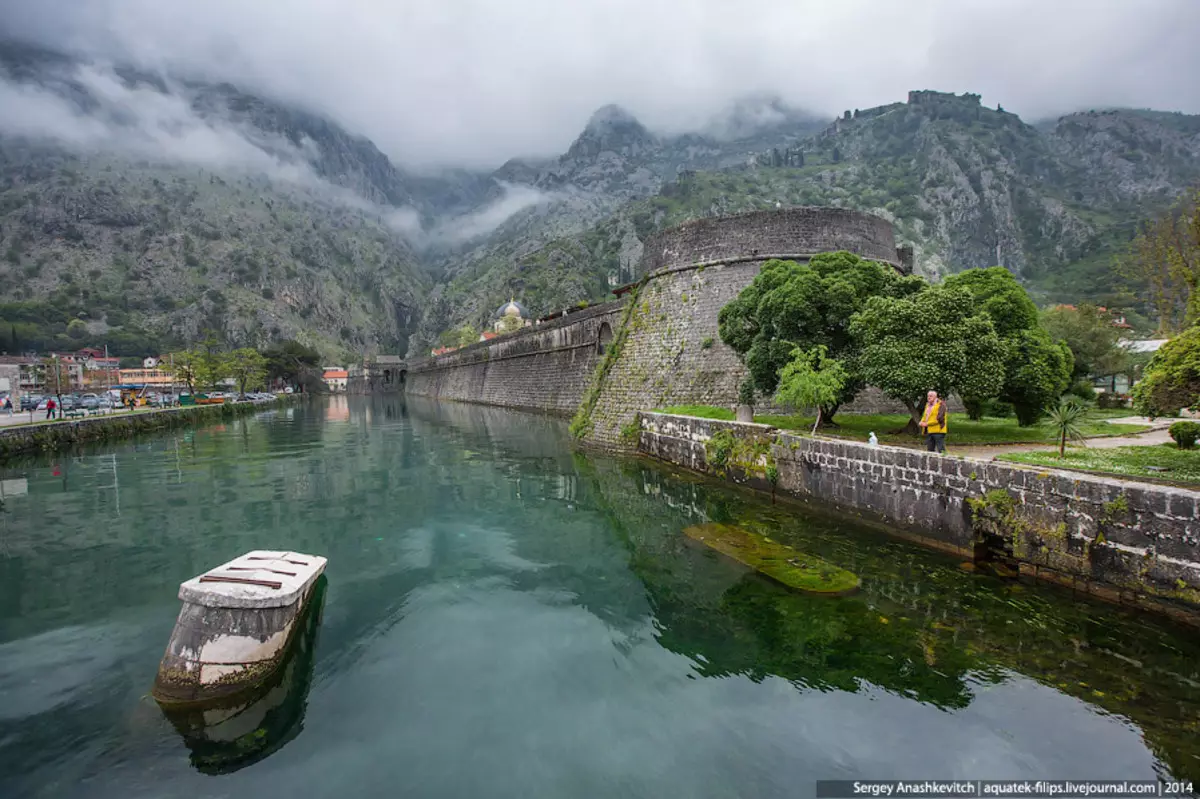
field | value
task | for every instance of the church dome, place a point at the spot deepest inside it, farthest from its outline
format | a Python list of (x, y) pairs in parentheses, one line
[(512, 308)]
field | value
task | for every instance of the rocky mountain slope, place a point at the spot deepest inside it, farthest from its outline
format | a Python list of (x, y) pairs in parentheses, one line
[(967, 185), (154, 208)]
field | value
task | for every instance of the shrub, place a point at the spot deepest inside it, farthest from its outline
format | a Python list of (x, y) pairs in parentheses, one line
[(1083, 389), (1185, 434)]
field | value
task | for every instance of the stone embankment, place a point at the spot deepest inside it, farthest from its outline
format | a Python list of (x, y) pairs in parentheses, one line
[(1132, 543), (54, 436)]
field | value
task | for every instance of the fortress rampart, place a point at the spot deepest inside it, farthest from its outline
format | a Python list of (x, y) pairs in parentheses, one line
[(671, 353)]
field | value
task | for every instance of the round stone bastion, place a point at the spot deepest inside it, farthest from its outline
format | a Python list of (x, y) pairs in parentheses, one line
[(761, 235)]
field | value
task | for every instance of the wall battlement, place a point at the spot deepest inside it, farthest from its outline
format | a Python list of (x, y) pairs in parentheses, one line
[(790, 232)]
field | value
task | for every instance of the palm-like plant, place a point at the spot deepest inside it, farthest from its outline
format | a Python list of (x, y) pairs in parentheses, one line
[(1066, 419)]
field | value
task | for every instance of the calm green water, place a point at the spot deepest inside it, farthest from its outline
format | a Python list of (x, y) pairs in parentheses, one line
[(504, 618)]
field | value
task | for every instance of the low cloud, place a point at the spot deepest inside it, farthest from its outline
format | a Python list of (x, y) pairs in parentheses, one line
[(516, 198), (103, 112), (475, 82)]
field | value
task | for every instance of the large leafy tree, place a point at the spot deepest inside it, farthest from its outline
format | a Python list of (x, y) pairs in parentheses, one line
[(1172, 378), (1036, 373), (183, 366), (1090, 334), (1000, 296), (1037, 369), (211, 362), (248, 367), (791, 305), (290, 361), (936, 339)]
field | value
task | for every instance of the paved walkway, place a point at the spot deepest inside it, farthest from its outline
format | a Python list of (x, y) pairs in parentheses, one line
[(1157, 434), (24, 417)]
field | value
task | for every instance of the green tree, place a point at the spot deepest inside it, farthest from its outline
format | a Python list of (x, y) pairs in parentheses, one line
[(1037, 369), (811, 380), (248, 367), (290, 361), (212, 364), (77, 329), (460, 336), (1164, 260), (183, 366), (932, 340), (1000, 296), (790, 305), (1090, 334), (1172, 378)]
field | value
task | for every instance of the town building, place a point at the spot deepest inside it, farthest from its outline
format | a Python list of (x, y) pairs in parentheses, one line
[(511, 316), (147, 377), (336, 378)]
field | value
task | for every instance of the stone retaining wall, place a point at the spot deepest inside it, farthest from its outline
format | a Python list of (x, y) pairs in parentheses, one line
[(1128, 542), (53, 436)]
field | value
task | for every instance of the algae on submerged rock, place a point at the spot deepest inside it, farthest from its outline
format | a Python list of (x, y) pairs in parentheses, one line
[(779, 562)]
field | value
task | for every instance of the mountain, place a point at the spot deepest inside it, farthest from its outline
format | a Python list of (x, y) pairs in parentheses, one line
[(154, 210), (967, 185), (142, 210)]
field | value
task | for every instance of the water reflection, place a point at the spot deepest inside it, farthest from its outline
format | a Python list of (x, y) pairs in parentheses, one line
[(241, 730), (507, 617)]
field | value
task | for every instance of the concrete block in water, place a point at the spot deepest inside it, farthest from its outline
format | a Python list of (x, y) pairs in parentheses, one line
[(235, 626)]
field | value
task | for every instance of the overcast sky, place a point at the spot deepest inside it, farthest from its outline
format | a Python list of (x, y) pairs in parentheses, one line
[(475, 82)]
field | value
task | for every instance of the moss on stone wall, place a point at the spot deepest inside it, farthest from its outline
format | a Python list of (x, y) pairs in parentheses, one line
[(581, 424)]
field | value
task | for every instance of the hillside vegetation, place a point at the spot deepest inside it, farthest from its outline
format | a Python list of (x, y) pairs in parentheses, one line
[(314, 234)]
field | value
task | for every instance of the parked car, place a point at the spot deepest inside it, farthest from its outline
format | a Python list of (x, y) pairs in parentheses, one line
[(31, 401), (105, 403), (89, 402)]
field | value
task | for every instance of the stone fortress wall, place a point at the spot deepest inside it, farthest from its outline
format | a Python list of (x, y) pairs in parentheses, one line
[(544, 368), (671, 352)]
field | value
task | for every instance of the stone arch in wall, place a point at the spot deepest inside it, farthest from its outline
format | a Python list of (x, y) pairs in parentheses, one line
[(604, 338), (403, 377)]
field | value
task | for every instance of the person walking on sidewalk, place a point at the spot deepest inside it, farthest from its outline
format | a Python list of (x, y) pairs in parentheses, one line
[(933, 423), (50, 406), (8, 405)]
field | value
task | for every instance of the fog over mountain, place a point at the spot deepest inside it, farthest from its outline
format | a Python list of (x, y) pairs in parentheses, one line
[(473, 83)]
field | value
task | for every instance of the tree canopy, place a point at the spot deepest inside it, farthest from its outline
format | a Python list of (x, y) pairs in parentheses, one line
[(811, 380), (248, 367), (936, 339), (791, 305), (1000, 296), (1172, 378), (1037, 369), (1090, 334), (289, 360)]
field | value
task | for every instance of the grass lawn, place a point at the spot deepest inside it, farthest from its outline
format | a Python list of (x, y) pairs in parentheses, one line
[(1183, 465), (962, 430)]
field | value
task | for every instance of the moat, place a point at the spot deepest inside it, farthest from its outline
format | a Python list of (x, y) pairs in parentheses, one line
[(504, 616)]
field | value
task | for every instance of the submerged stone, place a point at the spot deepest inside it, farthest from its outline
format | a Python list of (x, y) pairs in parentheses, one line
[(780, 562)]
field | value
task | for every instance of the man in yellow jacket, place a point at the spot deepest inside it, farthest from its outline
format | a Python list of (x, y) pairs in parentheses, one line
[(933, 423)]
